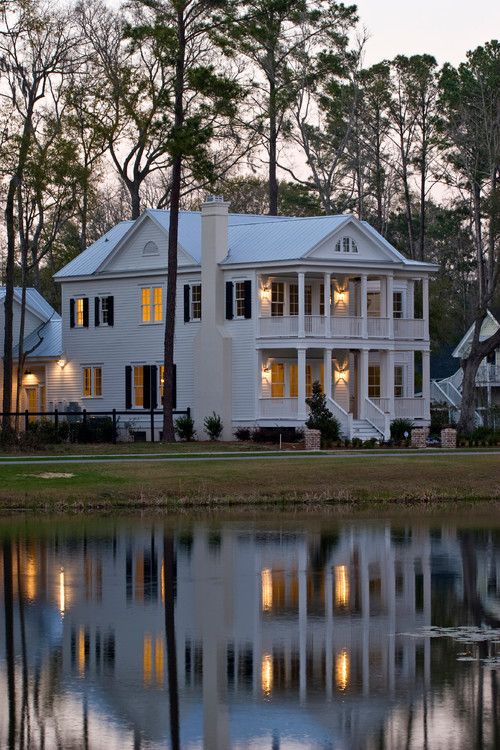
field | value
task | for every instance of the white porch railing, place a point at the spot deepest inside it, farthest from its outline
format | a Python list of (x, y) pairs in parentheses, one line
[(488, 373), (278, 408), (345, 327), (279, 325), (409, 328), (378, 328), (344, 417), (409, 408), (382, 403), (314, 325), (379, 419)]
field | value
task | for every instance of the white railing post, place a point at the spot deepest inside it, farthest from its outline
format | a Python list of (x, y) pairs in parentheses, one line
[(301, 383), (327, 283), (327, 372), (364, 305), (363, 395), (302, 300), (425, 306), (389, 304), (426, 383), (389, 381)]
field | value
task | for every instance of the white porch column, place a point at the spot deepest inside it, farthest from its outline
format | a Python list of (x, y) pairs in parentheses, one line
[(301, 383), (389, 303), (327, 282), (410, 302), (327, 371), (425, 306), (426, 384), (364, 305), (302, 296), (389, 381), (363, 381)]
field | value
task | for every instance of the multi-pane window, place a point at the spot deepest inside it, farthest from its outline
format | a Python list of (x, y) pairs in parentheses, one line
[(346, 245), (92, 382), (196, 302), (138, 385), (294, 299), (239, 299), (398, 382), (373, 304), (79, 314), (322, 298), (104, 311), (397, 304), (374, 381), (294, 381), (152, 304), (277, 380), (277, 298)]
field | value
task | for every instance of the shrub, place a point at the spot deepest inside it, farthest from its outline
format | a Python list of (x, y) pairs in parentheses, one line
[(272, 434), (213, 426), (184, 427), (398, 429), (320, 417), (243, 433)]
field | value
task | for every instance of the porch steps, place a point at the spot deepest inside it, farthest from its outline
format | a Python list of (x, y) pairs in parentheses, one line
[(363, 430)]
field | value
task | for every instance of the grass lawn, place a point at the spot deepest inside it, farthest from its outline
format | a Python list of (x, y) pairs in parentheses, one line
[(283, 483)]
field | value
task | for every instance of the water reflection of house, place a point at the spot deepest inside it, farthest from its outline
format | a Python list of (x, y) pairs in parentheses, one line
[(266, 625)]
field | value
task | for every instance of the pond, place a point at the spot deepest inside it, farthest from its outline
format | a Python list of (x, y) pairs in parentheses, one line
[(270, 633)]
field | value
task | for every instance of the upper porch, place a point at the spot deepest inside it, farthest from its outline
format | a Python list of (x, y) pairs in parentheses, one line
[(358, 306)]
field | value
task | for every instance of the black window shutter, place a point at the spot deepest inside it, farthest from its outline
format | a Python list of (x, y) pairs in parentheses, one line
[(85, 312), (248, 298), (96, 310), (128, 387), (147, 386), (174, 387), (111, 311), (186, 303), (154, 386), (229, 300), (72, 313)]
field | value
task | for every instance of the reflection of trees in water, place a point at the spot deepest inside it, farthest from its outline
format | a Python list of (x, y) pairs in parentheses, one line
[(173, 684), (8, 590)]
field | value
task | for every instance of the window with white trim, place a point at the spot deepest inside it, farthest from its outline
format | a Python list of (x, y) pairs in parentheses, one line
[(346, 245), (92, 381), (398, 382), (196, 302), (374, 381), (79, 312), (397, 304), (104, 304), (294, 299), (277, 298), (239, 299), (151, 304)]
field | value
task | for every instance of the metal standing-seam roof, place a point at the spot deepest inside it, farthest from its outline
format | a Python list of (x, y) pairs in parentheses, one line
[(45, 341), (489, 327), (251, 238), (34, 302)]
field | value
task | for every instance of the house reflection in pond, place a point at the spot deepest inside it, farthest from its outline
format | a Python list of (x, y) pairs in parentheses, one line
[(272, 637)]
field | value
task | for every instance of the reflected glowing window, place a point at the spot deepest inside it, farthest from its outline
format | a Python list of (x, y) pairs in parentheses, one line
[(342, 670), (341, 586), (147, 659), (266, 674), (267, 590)]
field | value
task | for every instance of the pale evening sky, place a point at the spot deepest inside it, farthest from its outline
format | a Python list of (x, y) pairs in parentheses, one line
[(443, 28)]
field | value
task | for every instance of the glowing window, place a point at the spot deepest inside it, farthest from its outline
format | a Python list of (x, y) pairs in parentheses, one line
[(277, 380), (79, 316), (139, 386)]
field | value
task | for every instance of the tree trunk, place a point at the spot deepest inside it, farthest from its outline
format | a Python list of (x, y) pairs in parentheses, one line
[(135, 200), (9, 303), (173, 232), (273, 140), (173, 687), (468, 405), (8, 593)]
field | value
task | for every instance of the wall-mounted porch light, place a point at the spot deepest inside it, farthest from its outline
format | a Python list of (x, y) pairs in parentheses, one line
[(265, 292), (340, 296), (342, 375), (62, 361)]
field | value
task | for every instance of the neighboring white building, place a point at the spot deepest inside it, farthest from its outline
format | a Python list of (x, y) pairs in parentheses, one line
[(42, 343), (449, 390), (266, 305)]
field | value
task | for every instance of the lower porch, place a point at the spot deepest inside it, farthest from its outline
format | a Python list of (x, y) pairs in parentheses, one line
[(364, 388)]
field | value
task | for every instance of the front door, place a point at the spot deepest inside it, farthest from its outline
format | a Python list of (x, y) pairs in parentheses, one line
[(32, 400)]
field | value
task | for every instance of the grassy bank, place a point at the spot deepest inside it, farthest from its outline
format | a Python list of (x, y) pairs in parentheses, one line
[(285, 482)]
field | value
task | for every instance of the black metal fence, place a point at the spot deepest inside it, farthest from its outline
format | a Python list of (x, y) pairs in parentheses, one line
[(83, 415)]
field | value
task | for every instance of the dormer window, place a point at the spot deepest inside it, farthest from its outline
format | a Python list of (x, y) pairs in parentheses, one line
[(150, 248), (346, 245)]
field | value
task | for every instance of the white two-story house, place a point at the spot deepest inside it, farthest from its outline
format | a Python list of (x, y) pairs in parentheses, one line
[(265, 307)]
